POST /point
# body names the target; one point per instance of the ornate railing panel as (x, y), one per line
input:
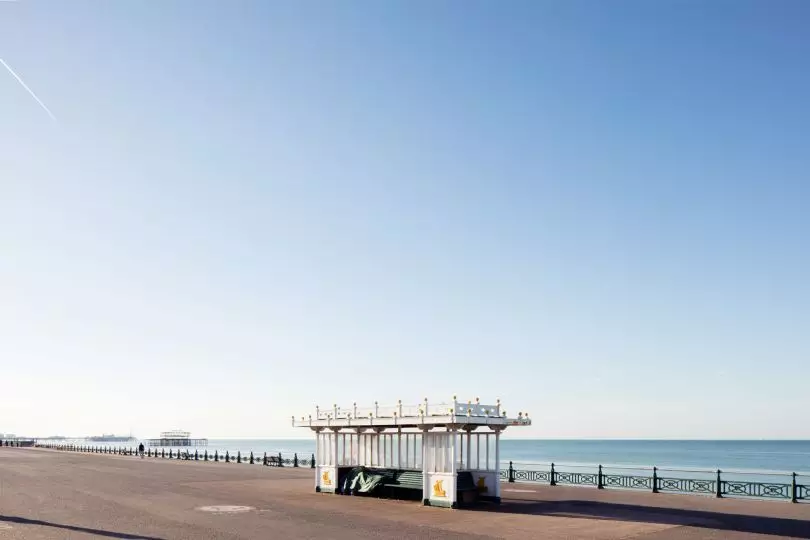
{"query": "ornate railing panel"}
(756, 489)
(687, 485)
(532, 476)
(627, 481)
(575, 478)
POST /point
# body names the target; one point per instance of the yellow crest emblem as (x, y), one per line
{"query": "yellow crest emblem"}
(438, 490)
(325, 478)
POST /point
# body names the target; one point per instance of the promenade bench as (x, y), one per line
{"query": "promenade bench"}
(373, 481)
(274, 461)
(405, 485)
(466, 488)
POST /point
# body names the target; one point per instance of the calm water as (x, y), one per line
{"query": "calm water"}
(753, 456)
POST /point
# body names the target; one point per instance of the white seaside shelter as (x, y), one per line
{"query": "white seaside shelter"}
(452, 449)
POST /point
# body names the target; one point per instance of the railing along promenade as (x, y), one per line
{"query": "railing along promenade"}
(794, 488)
(271, 460)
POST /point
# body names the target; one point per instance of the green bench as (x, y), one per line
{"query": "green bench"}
(467, 491)
(405, 484)
(394, 483)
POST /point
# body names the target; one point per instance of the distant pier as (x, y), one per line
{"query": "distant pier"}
(176, 438)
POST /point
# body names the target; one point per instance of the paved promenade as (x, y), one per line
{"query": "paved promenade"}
(48, 494)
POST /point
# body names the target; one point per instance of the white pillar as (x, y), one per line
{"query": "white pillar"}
(487, 439)
(453, 466)
(335, 450)
(498, 465)
(425, 480)
(469, 439)
(454, 453)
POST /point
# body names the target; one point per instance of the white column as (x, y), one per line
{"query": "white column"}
(498, 464)
(487, 439)
(336, 452)
(399, 448)
(454, 493)
(425, 481)
(453, 453)
(469, 439)
(317, 456)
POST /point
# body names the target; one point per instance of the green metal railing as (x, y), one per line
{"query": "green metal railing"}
(670, 481)
(271, 460)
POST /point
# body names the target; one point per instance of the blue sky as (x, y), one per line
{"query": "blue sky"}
(594, 211)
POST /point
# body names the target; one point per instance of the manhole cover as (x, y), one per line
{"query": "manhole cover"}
(225, 509)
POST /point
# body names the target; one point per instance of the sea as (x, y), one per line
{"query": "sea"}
(757, 460)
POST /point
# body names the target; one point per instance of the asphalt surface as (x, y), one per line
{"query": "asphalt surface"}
(48, 494)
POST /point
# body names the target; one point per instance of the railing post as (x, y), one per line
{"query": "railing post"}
(280, 463)
(227, 457)
(196, 455)
(205, 455)
(655, 479)
(719, 491)
(793, 496)
(599, 484)
(216, 455)
(251, 457)
(264, 461)
(295, 459)
(312, 463)
(511, 474)
(553, 476)
(239, 456)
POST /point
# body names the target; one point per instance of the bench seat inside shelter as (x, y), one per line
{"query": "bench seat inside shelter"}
(397, 484)
(380, 482)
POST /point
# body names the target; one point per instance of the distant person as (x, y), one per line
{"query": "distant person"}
(140, 450)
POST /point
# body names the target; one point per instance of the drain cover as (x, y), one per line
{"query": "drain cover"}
(225, 509)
